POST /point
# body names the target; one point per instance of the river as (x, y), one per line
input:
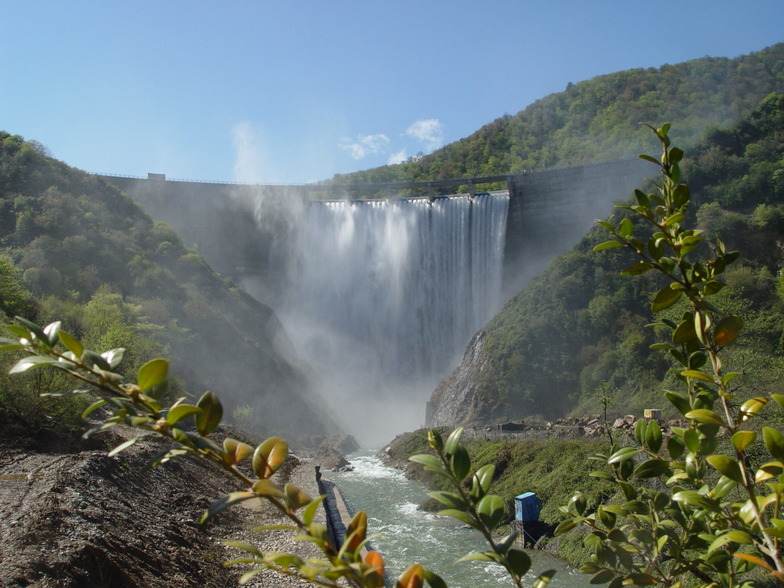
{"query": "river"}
(407, 535)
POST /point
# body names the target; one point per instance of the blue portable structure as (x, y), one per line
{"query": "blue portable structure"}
(527, 507)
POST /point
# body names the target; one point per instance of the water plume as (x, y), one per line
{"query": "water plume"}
(381, 298)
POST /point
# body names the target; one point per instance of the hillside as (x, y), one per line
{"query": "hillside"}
(77, 250)
(578, 331)
(598, 119)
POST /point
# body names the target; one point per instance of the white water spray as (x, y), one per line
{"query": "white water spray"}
(383, 296)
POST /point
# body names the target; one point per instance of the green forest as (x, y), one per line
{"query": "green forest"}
(74, 249)
(580, 326)
(597, 119)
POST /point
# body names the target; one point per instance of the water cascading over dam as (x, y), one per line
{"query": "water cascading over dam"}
(384, 295)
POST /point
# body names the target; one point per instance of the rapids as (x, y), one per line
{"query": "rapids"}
(407, 535)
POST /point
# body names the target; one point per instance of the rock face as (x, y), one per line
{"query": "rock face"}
(458, 399)
(331, 459)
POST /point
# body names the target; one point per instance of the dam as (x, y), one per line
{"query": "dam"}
(380, 294)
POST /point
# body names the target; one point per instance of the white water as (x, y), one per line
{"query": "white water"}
(385, 295)
(408, 535)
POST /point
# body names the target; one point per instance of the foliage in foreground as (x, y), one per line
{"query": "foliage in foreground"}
(688, 508)
(139, 404)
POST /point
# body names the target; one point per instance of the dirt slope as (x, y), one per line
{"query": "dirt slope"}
(70, 516)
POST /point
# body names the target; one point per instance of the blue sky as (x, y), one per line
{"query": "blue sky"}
(295, 91)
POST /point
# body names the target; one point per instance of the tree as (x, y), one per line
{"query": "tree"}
(695, 504)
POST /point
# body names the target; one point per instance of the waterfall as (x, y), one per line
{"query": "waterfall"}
(385, 295)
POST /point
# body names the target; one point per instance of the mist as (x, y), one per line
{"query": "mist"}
(380, 298)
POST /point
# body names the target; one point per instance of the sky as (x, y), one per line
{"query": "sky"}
(295, 91)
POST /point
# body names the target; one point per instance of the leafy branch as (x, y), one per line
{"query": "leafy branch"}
(476, 507)
(692, 526)
(138, 404)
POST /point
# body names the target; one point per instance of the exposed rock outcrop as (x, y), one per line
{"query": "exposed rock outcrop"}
(457, 399)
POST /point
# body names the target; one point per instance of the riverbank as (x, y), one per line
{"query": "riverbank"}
(554, 467)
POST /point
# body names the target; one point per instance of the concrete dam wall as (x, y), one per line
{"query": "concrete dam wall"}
(549, 210)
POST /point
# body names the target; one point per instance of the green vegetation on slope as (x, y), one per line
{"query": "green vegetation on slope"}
(580, 323)
(598, 119)
(74, 248)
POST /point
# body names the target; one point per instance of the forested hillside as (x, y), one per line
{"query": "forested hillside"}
(77, 250)
(598, 119)
(578, 332)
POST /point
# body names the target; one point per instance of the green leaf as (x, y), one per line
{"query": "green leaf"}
(653, 436)
(449, 499)
(95, 360)
(642, 199)
(434, 580)
(7, 344)
(693, 498)
(212, 413)
(622, 455)
(71, 344)
(479, 556)
(29, 363)
(310, 510)
(651, 468)
(114, 356)
(153, 373)
(93, 407)
(453, 441)
(483, 480)
(726, 466)
(705, 417)
(519, 561)
(491, 510)
(296, 498)
(244, 547)
(678, 401)
(125, 445)
(603, 577)
(691, 439)
(697, 375)
(727, 330)
(266, 487)
(427, 460)
(665, 298)
(637, 269)
(566, 525)
(460, 516)
(640, 428)
(685, 332)
(180, 412)
(779, 398)
(774, 441)
(608, 245)
(734, 536)
(649, 158)
(626, 227)
(225, 502)
(743, 439)
(751, 407)
(675, 447)
(269, 456)
(33, 329)
(460, 462)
